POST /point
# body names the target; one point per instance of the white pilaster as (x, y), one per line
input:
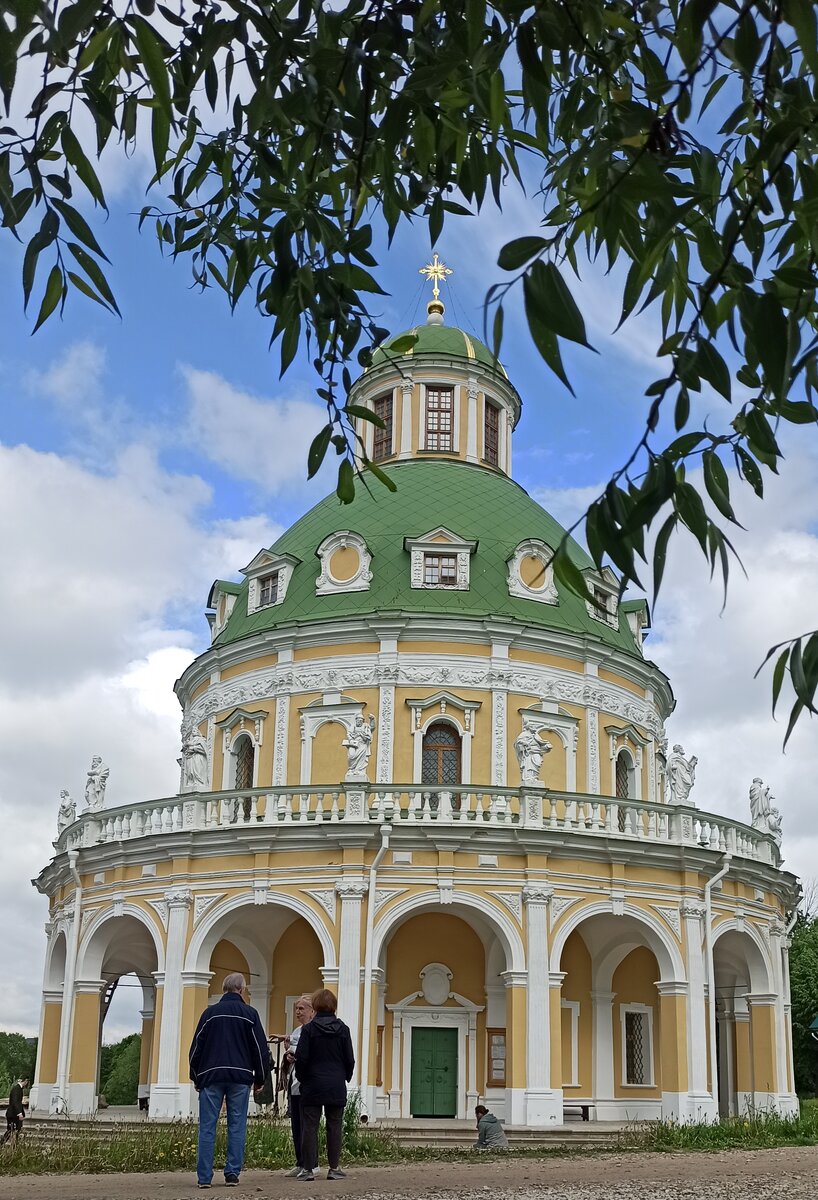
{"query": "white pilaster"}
(166, 1096)
(280, 747)
(607, 1108)
(406, 418)
(543, 1103)
(352, 892)
(703, 1103)
(471, 422)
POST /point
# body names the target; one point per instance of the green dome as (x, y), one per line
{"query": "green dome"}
(441, 341)
(474, 504)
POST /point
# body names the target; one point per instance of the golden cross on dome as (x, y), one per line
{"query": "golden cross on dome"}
(435, 272)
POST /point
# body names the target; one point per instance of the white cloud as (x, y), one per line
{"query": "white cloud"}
(74, 378)
(104, 584)
(262, 440)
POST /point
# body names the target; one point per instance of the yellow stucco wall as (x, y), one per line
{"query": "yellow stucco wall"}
(85, 1042)
(297, 962)
(576, 962)
(224, 960)
(49, 1042)
(634, 982)
(329, 757)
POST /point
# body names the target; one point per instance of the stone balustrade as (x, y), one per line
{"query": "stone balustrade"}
(493, 808)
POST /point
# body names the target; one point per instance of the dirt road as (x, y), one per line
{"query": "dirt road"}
(785, 1174)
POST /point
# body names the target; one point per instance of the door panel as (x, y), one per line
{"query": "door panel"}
(433, 1088)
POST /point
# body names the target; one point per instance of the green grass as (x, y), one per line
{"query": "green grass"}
(83, 1149)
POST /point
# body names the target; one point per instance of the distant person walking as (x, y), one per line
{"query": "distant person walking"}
(324, 1062)
(303, 1014)
(15, 1111)
(229, 1052)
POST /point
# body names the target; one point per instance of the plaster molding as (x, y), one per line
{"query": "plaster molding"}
(160, 907)
(672, 916)
(546, 593)
(325, 897)
(512, 901)
(202, 902)
(326, 584)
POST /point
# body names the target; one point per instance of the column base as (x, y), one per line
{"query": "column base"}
(701, 1107)
(515, 1106)
(165, 1102)
(393, 1109)
(543, 1107)
(628, 1110)
(82, 1099)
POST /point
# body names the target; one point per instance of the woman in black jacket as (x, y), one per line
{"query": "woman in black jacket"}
(324, 1062)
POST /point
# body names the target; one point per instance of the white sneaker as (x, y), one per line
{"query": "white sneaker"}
(293, 1173)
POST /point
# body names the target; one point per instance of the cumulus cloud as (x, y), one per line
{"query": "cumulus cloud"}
(253, 438)
(104, 585)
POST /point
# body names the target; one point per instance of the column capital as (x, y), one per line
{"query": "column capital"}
(178, 897)
(147, 1014)
(537, 893)
(350, 889)
(514, 978)
(761, 999)
(52, 995)
(89, 987)
(330, 976)
(555, 978)
(693, 909)
(158, 978)
(672, 987)
(196, 978)
(603, 997)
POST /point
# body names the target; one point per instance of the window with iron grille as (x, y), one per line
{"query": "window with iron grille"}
(268, 590)
(637, 1051)
(491, 435)
(623, 776)
(439, 418)
(440, 761)
(245, 755)
(440, 570)
(382, 441)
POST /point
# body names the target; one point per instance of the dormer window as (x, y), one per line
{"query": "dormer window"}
(268, 590)
(382, 440)
(440, 559)
(439, 418)
(268, 577)
(491, 435)
(440, 570)
(605, 592)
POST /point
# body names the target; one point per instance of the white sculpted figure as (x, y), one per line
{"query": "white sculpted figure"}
(68, 812)
(95, 786)
(194, 762)
(681, 775)
(530, 751)
(763, 815)
(358, 744)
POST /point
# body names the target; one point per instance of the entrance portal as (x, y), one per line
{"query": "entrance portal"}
(433, 1091)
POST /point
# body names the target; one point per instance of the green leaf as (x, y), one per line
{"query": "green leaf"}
(318, 450)
(778, 675)
(517, 253)
(84, 286)
(160, 140)
(497, 331)
(152, 55)
(770, 342)
(801, 15)
(544, 338)
(556, 306)
(79, 227)
(660, 552)
(381, 476)
(712, 367)
(403, 344)
(346, 482)
(94, 272)
(568, 573)
(53, 292)
(76, 157)
(364, 414)
(718, 484)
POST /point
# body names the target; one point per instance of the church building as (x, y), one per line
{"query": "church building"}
(418, 771)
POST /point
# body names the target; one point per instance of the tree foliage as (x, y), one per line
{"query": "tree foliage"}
(676, 137)
(804, 995)
(18, 1055)
(119, 1070)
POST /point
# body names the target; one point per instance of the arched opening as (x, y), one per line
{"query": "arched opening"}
(442, 1039)
(244, 757)
(625, 776)
(441, 758)
(749, 1046)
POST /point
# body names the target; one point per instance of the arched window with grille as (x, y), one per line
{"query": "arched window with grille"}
(625, 781)
(244, 754)
(442, 752)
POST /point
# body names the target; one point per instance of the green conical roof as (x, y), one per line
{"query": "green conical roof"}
(441, 341)
(474, 504)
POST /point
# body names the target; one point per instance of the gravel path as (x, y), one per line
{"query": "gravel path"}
(790, 1173)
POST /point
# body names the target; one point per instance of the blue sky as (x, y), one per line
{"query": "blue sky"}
(142, 458)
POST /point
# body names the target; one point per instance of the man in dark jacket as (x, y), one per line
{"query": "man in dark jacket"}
(15, 1111)
(229, 1052)
(324, 1062)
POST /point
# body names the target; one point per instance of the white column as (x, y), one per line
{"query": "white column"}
(703, 1103)
(543, 1102)
(791, 1104)
(471, 422)
(473, 1092)
(166, 1095)
(406, 418)
(603, 1055)
(352, 892)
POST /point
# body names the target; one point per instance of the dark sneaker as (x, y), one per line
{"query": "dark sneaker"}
(305, 1177)
(231, 1181)
(336, 1174)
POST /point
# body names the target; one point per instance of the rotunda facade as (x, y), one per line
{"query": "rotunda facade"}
(418, 771)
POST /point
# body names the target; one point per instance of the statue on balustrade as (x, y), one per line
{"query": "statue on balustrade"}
(531, 751)
(194, 762)
(763, 815)
(96, 784)
(358, 744)
(68, 812)
(681, 775)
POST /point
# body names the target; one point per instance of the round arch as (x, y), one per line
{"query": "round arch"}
(501, 924)
(665, 949)
(92, 948)
(54, 973)
(212, 928)
(745, 949)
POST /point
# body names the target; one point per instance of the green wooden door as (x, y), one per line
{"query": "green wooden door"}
(433, 1089)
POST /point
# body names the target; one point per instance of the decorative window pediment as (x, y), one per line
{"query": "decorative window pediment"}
(345, 564)
(440, 559)
(220, 604)
(530, 573)
(268, 577)
(605, 590)
(443, 701)
(241, 720)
